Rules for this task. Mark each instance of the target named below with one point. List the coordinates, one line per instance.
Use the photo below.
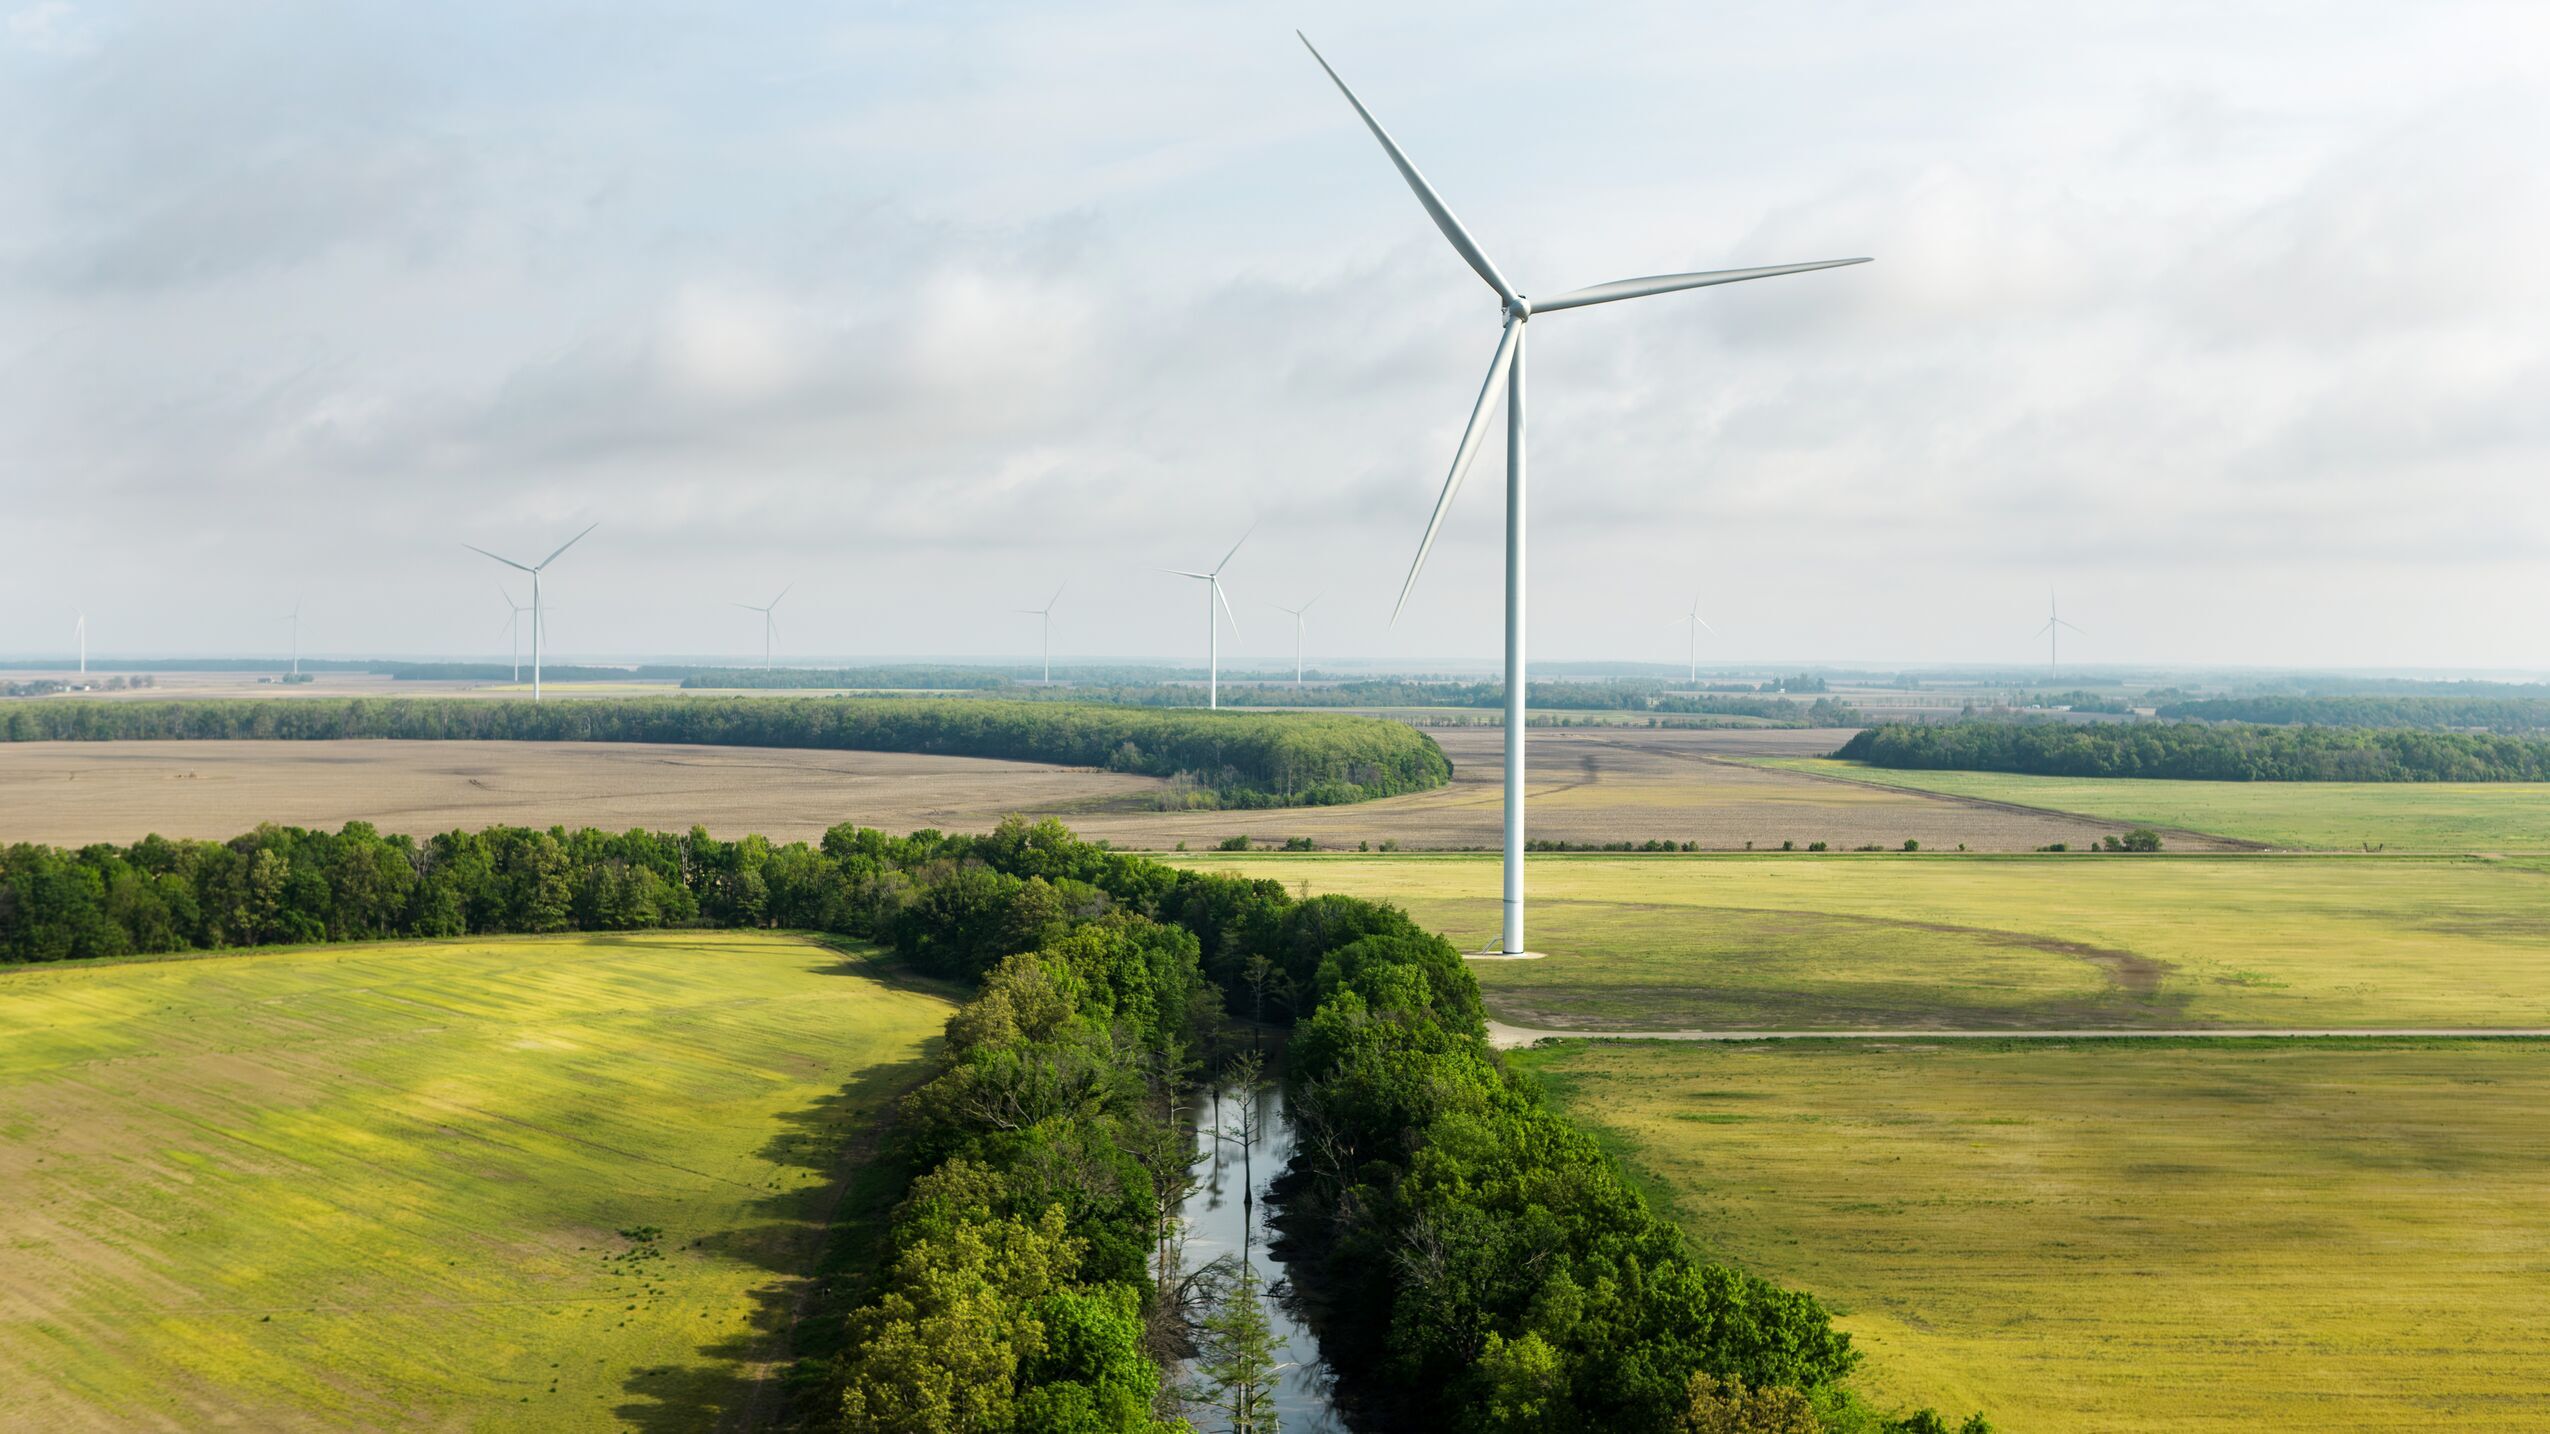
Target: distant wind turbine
(1505, 379)
(2052, 632)
(80, 630)
(294, 617)
(1047, 613)
(535, 570)
(1696, 622)
(513, 626)
(1297, 613)
(769, 620)
(1212, 627)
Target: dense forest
(2204, 751)
(2459, 713)
(1477, 1262)
(1236, 759)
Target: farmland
(2399, 816)
(1886, 942)
(552, 1183)
(2312, 1236)
(1589, 786)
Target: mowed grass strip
(2237, 1235)
(387, 1186)
(1947, 942)
(2343, 816)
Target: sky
(2228, 321)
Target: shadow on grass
(818, 1245)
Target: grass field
(532, 1183)
(1825, 942)
(2400, 816)
(2312, 1236)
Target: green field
(1836, 942)
(2344, 816)
(538, 1183)
(2305, 1236)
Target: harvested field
(2326, 1237)
(1590, 786)
(537, 1183)
(68, 793)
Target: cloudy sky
(2228, 320)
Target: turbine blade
(1057, 597)
(1489, 393)
(1181, 572)
(1668, 283)
(1235, 550)
(1704, 622)
(508, 562)
(1426, 196)
(1226, 606)
(783, 592)
(569, 543)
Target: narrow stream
(1216, 1218)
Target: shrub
(1235, 843)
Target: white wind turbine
(2052, 632)
(1505, 379)
(80, 631)
(769, 620)
(1696, 622)
(294, 617)
(513, 627)
(1212, 626)
(535, 570)
(1047, 613)
(1297, 613)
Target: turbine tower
(80, 630)
(1047, 613)
(294, 617)
(2052, 632)
(1505, 379)
(1297, 633)
(1696, 622)
(1212, 627)
(769, 620)
(535, 570)
(513, 627)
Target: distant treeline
(2511, 715)
(1241, 759)
(1473, 1260)
(1613, 696)
(2205, 752)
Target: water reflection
(1226, 1216)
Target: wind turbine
(1696, 622)
(1213, 629)
(1505, 379)
(769, 620)
(513, 627)
(1047, 613)
(1297, 632)
(80, 630)
(294, 617)
(2052, 632)
(535, 570)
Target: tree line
(1231, 759)
(1474, 1261)
(2511, 716)
(2204, 751)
